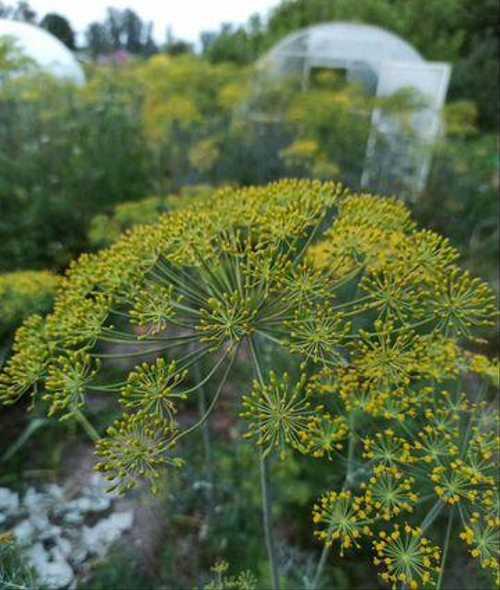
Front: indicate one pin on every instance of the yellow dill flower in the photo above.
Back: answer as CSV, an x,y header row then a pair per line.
x,y
152,389
153,307
389,492
394,295
482,365
68,378
454,483
25,369
319,334
385,213
24,293
134,449
278,413
482,536
387,358
323,435
461,304
406,557
388,449
344,518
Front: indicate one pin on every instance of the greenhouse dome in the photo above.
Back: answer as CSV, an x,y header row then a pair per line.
x,y
44,49
384,64
361,50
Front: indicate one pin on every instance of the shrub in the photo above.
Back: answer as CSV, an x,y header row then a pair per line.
x,y
24,293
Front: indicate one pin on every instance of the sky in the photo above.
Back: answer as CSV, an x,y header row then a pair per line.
x,y
187,18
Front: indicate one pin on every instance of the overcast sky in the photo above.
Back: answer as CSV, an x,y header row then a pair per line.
x,y
187,18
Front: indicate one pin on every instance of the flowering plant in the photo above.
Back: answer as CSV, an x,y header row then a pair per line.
x,y
370,312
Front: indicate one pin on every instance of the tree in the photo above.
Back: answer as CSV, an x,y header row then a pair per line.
x,y
21,11
59,26
122,30
175,46
97,40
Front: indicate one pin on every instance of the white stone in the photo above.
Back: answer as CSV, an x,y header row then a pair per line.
x,y
94,503
64,546
55,491
34,500
40,520
52,569
24,532
9,501
73,517
98,538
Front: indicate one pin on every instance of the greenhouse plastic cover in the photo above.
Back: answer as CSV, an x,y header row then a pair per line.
x,y
44,49
384,64
356,48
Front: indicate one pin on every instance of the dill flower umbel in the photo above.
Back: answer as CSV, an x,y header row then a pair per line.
x,y
406,557
389,492
370,311
344,518
68,378
152,389
134,449
278,413
482,536
324,435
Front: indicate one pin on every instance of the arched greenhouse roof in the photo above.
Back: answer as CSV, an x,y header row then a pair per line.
x,y
44,49
338,45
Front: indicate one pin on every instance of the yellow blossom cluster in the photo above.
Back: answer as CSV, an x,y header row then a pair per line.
x,y
369,312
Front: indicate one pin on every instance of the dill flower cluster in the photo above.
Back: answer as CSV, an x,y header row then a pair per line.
x,y
369,311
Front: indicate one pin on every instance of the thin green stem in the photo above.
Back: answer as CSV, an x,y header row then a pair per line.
x,y
347,482
205,429
432,515
256,362
210,408
350,451
87,426
445,548
265,486
267,520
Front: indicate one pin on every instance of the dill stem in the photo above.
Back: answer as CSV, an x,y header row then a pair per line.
x,y
214,400
347,481
205,430
445,548
87,426
265,486
267,504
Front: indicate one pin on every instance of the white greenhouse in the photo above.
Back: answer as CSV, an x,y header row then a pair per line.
x,y
44,49
384,64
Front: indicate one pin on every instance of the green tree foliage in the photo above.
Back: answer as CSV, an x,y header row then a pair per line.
x,y
21,11
121,30
64,154
59,26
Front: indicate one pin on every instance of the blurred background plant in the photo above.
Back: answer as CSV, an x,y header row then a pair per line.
x,y
151,125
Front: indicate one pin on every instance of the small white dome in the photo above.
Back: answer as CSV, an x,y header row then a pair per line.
x,y
44,49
